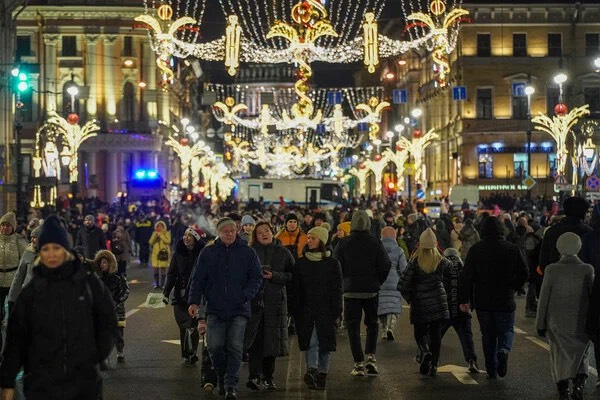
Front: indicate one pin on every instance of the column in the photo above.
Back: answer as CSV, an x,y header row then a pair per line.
x,y
155,160
110,78
92,178
91,75
136,161
112,178
50,41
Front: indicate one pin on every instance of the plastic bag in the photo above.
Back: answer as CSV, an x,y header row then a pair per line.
x,y
154,300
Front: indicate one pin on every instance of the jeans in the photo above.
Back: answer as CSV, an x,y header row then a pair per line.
x,y
258,364
497,334
225,344
119,338
531,299
316,358
144,253
462,326
353,309
429,338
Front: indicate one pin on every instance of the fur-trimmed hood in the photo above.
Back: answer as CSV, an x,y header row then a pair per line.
x,y
110,257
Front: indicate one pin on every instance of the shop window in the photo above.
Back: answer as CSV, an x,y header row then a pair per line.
x,y
486,166
520,165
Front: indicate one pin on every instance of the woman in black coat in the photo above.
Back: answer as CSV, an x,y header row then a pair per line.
x,y
180,270
422,286
316,305
266,333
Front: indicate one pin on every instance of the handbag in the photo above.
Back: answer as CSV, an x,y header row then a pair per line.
x,y
163,255
173,300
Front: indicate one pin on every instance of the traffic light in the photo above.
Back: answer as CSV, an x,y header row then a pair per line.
x,y
21,79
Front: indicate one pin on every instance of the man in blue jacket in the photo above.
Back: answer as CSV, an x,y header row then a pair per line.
x,y
226,277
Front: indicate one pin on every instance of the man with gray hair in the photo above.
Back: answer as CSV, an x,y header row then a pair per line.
x,y
227,275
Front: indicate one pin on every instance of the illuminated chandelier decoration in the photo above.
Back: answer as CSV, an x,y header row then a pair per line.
x,y
399,158
443,31
416,147
559,127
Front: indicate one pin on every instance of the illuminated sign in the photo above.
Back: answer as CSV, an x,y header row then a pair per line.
x,y
502,187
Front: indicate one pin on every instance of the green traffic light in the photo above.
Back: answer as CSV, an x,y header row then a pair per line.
x,y
22,86
23,76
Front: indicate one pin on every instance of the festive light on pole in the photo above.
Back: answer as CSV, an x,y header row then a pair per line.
x,y
233,34
371,42
416,146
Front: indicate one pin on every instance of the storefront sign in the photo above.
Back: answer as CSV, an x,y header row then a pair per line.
x,y
502,187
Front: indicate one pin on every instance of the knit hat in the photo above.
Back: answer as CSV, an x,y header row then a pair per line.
x,y
360,221
89,217
79,250
291,217
321,233
576,206
248,220
53,232
345,226
451,251
326,226
196,232
234,217
412,217
568,244
36,232
428,240
320,216
223,222
9,218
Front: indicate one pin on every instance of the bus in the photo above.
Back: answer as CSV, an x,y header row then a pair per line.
x,y
313,193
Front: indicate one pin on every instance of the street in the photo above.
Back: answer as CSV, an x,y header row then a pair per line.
x,y
153,365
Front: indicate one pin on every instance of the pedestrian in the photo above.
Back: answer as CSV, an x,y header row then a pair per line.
x,y
343,230
161,253
227,275
390,299
25,270
12,248
266,334
468,236
422,286
316,305
248,224
72,315
562,311
307,222
443,236
459,320
175,290
292,237
590,254
105,265
120,248
365,266
575,210
143,232
494,270
90,237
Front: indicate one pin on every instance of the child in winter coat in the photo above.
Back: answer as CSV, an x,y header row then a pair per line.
x,y
460,321
105,265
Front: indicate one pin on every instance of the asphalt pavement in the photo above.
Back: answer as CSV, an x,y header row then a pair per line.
x,y
153,369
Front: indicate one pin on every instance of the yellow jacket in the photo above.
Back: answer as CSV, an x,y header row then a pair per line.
x,y
289,239
160,241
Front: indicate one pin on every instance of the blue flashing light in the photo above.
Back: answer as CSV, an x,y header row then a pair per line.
x,y
151,174
140,174
143,174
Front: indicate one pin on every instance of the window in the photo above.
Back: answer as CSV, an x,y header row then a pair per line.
x,y
69,46
519,107
554,45
484,103
520,165
592,97
23,47
519,45
128,107
128,46
486,166
552,164
592,44
552,95
484,45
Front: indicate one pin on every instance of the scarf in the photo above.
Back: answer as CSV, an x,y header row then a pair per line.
x,y
316,256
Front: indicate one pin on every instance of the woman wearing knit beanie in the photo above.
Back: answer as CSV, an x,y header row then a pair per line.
x,y
67,308
316,305
422,286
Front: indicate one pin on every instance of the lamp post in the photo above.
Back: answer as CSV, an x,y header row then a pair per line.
x,y
529,90
73,91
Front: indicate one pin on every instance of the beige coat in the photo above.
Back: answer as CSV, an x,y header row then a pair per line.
x,y
12,248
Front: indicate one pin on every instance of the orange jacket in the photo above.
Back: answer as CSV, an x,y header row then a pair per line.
x,y
289,239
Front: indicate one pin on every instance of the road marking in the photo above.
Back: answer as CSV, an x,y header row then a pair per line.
x,y
546,347
177,342
143,305
520,331
460,373
131,312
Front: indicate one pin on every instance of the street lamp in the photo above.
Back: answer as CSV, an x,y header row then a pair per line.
x,y
73,91
416,113
529,90
65,156
559,79
597,64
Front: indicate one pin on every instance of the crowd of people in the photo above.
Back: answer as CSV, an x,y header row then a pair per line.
x,y
246,281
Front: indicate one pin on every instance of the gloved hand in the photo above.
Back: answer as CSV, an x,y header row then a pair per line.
x,y
165,300
541,332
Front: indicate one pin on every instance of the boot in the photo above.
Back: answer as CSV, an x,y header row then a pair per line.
x,y
578,387
563,390
321,381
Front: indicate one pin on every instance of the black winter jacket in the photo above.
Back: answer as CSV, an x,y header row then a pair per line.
x,y
60,329
180,270
365,263
317,300
270,303
549,253
425,292
451,286
494,270
93,240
